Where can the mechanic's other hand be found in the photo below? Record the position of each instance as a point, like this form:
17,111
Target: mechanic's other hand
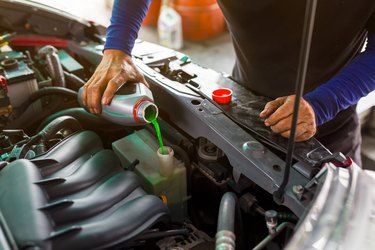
115,69
278,116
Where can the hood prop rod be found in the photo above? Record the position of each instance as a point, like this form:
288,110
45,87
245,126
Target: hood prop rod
308,27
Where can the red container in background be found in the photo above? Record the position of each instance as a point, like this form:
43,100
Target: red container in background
201,19
152,16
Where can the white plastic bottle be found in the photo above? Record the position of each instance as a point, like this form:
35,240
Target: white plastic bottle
170,27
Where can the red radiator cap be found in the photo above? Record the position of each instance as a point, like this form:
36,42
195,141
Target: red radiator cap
222,95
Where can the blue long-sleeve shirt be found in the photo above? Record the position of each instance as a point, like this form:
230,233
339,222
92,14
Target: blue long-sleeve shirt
126,20
354,81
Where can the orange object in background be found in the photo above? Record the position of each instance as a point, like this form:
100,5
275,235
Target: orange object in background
201,19
152,16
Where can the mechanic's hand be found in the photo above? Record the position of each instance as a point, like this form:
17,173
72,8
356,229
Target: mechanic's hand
115,69
278,116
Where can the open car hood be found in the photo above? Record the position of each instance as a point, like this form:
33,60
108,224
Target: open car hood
341,214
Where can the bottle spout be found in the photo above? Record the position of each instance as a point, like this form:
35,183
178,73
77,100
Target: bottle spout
146,112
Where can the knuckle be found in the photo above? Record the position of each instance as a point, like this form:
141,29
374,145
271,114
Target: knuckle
270,104
122,73
276,128
313,131
306,129
270,121
309,135
115,82
285,123
123,70
286,134
96,89
112,83
306,136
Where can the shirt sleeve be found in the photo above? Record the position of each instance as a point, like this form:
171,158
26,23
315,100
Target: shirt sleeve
126,20
354,81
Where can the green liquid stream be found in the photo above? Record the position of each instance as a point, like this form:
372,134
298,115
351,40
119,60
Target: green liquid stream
157,129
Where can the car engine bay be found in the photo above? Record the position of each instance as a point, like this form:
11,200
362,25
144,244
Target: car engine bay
70,179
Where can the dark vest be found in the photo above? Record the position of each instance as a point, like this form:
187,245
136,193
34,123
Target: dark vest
267,38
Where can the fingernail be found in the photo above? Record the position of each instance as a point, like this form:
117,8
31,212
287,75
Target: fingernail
266,123
105,101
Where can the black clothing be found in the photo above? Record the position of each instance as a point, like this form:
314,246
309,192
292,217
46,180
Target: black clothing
267,37
345,138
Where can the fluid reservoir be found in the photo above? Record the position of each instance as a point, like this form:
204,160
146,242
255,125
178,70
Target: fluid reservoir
142,145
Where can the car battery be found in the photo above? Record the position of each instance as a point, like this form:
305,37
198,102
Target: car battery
20,78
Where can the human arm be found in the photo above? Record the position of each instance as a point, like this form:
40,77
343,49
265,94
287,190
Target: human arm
354,81
116,67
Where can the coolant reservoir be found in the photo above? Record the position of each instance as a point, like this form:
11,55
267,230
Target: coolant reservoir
132,105
143,146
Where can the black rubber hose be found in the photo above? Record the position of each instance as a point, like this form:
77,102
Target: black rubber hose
49,131
3,164
53,127
59,91
29,117
87,120
25,149
54,66
47,91
227,212
225,237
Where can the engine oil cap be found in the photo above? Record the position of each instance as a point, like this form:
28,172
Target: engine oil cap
222,95
9,63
